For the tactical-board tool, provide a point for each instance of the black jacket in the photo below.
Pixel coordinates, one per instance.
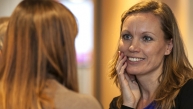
(184, 99)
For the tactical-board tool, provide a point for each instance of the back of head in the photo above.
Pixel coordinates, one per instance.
(39, 46)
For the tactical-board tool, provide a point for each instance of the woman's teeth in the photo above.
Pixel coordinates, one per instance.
(135, 59)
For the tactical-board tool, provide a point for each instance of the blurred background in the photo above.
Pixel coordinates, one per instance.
(99, 25)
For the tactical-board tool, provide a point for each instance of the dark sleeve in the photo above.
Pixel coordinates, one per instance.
(114, 106)
(113, 103)
(184, 99)
(125, 107)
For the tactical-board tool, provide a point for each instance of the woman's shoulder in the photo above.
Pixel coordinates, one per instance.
(187, 88)
(113, 104)
(67, 99)
(189, 82)
(185, 96)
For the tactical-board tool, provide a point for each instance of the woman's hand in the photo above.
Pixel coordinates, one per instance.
(129, 87)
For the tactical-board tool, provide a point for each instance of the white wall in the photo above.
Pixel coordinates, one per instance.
(7, 7)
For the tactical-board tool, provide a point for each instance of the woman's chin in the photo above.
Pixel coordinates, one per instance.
(132, 71)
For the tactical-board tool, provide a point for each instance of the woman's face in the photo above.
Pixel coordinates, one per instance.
(142, 41)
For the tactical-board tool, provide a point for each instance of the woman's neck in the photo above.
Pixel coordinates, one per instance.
(148, 85)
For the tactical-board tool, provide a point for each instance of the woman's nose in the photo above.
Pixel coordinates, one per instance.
(134, 47)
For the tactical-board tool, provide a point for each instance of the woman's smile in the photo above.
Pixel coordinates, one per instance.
(135, 59)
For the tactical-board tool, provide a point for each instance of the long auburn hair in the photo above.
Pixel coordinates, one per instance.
(39, 45)
(177, 69)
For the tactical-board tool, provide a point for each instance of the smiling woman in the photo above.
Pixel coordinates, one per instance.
(143, 43)
(150, 66)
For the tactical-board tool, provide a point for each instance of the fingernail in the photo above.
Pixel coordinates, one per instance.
(120, 53)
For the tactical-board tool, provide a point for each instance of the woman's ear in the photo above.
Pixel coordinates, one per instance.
(169, 47)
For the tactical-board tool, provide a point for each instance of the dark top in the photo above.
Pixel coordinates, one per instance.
(184, 99)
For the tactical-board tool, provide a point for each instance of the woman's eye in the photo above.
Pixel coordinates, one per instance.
(147, 38)
(126, 37)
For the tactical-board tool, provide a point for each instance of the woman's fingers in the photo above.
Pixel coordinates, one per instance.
(121, 75)
(128, 84)
(120, 67)
(120, 63)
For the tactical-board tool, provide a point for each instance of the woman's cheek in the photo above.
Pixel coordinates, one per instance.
(121, 46)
